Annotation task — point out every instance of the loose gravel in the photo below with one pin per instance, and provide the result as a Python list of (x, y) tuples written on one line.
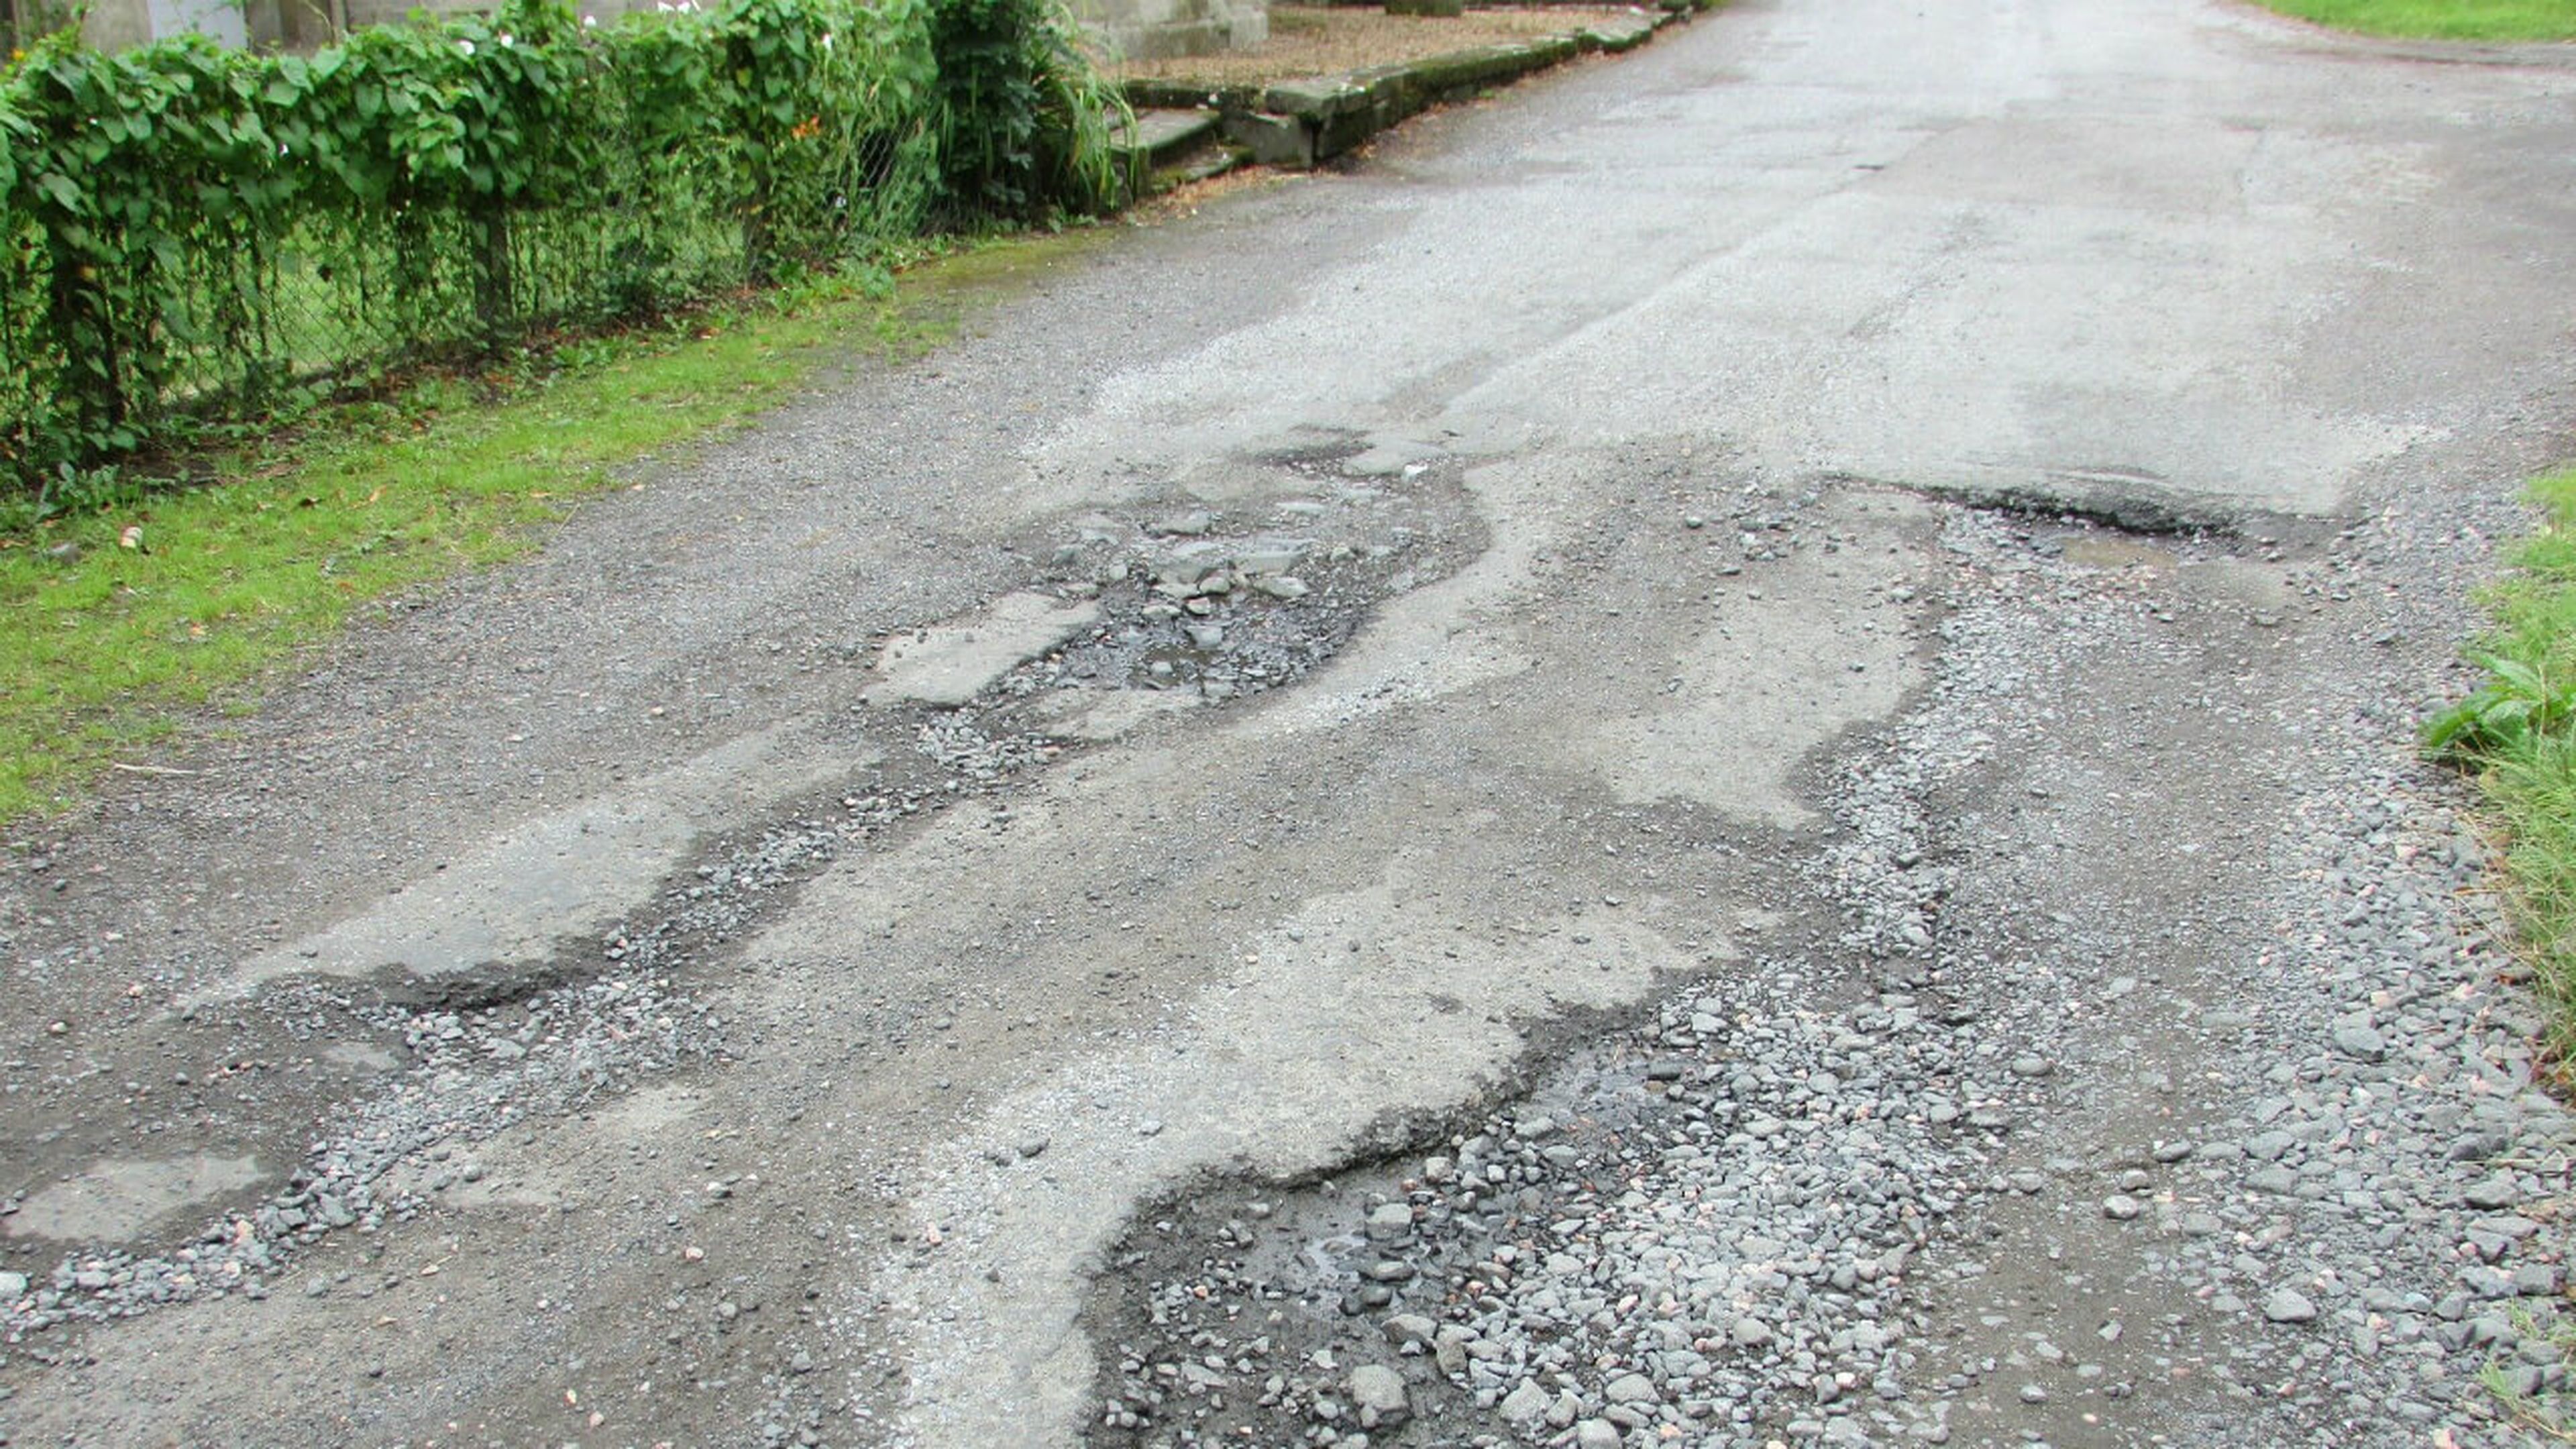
[(2260, 1161)]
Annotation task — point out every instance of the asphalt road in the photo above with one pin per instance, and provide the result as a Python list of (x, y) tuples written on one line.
[(1286, 679)]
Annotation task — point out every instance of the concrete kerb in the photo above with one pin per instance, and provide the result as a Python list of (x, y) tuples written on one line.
[(1301, 122)]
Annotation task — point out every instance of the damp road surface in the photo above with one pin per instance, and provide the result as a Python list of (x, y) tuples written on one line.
[(1716, 752)]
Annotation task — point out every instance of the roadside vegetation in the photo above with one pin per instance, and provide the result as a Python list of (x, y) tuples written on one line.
[(2516, 735), (2495, 20), (281, 335), (125, 607)]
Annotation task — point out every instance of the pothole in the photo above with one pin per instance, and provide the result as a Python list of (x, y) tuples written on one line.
[(1191, 603)]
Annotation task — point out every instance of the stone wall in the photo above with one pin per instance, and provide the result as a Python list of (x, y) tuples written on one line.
[(1154, 29)]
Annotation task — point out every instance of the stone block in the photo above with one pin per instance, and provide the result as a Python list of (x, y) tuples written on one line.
[(1272, 140)]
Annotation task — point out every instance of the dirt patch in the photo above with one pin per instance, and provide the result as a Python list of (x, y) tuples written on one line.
[(1324, 40)]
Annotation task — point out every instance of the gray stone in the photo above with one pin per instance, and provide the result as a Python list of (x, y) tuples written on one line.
[(1596, 1434), (1526, 1404), (1379, 1393), (1632, 1389), (1409, 1330), (1390, 1222), (2120, 1207), (2288, 1305), (2361, 1043), (2494, 1193)]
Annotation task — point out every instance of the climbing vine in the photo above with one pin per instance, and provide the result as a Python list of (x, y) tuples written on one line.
[(186, 230)]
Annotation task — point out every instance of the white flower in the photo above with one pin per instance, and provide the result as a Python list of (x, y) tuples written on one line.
[(590, 22), (465, 45), (506, 40), (827, 40)]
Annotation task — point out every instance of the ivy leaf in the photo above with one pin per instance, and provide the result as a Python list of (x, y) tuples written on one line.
[(65, 192)]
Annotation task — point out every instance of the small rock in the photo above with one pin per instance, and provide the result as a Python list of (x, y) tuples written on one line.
[(1596, 1434), (1632, 1389), (2361, 1043), (1379, 1393), (1410, 1330), (2493, 1194), (1526, 1404), (2120, 1207), (2288, 1305), (1390, 1222)]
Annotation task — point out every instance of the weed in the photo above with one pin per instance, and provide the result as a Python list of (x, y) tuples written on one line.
[(2516, 734), (2539, 1402)]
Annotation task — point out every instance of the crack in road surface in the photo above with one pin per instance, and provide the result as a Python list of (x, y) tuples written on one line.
[(1719, 754)]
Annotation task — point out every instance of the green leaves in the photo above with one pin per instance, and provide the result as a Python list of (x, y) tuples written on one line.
[(2526, 708), (184, 228), (2516, 706)]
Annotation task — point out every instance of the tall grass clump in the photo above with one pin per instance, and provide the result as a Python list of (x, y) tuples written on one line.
[(2516, 736)]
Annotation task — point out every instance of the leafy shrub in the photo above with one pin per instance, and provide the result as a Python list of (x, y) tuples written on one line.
[(1024, 117), (188, 232)]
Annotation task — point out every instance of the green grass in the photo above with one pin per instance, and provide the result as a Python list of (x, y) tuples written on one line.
[(106, 650), (2549, 1416), (2517, 735), (2442, 19)]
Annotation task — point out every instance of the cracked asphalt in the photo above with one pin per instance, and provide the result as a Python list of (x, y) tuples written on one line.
[(1716, 752)]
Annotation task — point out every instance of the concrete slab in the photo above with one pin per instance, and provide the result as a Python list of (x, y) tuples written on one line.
[(949, 664), (550, 877), (1160, 135)]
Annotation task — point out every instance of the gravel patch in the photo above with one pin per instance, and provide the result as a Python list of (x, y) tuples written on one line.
[(2034, 1146)]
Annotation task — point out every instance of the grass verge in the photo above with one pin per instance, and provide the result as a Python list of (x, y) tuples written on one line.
[(123, 620), (2500, 20), (2516, 735)]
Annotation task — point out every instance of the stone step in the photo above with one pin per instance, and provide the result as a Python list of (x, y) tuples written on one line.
[(1160, 136), (1202, 165)]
